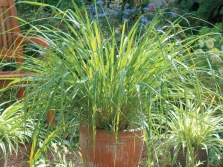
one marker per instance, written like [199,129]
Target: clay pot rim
[106,135]
[109,131]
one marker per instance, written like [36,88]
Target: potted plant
[108,96]
[109,69]
[98,80]
[194,129]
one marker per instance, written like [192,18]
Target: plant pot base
[107,152]
[200,155]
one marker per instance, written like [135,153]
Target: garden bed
[21,159]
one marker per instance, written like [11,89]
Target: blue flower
[118,10]
[128,11]
[125,19]
[127,5]
[114,12]
[92,5]
[164,3]
[92,9]
[148,22]
[144,20]
[133,9]
[107,10]
[99,2]
[151,5]
[101,15]
[145,8]
[173,15]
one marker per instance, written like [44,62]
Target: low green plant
[207,54]
[193,126]
[16,128]
[59,155]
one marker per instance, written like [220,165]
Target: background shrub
[210,11]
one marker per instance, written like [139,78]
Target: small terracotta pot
[3,159]
[3,162]
[200,155]
[107,152]
[50,117]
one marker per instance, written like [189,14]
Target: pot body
[50,117]
[3,162]
[199,154]
[109,152]
[3,159]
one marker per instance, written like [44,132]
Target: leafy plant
[97,77]
[208,51]
[191,126]
[15,128]
[59,154]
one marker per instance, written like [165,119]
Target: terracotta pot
[3,162]
[50,117]
[3,159]
[200,155]
[108,152]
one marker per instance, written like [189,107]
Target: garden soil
[21,159]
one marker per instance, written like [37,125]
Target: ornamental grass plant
[98,80]
[91,79]
[15,128]
[192,126]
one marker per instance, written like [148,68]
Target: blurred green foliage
[210,11]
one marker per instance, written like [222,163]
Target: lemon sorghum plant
[97,79]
